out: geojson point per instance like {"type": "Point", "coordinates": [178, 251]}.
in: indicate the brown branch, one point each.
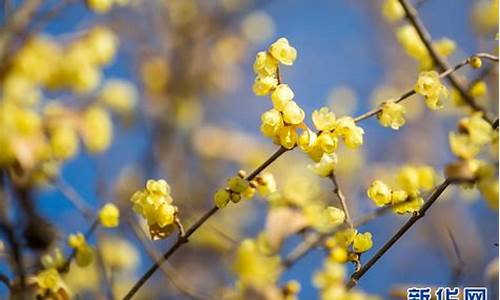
{"type": "Point", "coordinates": [421, 213]}
{"type": "Point", "coordinates": [412, 92]}
{"type": "Point", "coordinates": [441, 63]}
{"type": "Point", "coordinates": [181, 240]}
{"type": "Point", "coordinates": [340, 196]}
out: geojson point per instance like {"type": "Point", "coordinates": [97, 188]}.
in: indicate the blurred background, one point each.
{"type": "Point", "coordinates": [196, 122]}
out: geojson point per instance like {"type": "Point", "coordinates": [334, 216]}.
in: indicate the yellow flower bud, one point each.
{"type": "Point", "coordinates": [264, 85]}
{"type": "Point", "coordinates": [325, 166]}
{"type": "Point", "coordinates": [265, 65]}
{"type": "Point", "coordinates": [293, 114]}
{"type": "Point", "coordinates": [287, 137]}
{"type": "Point", "coordinates": [237, 184]}
{"type": "Point", "coordinates": [328, 142]}
{"type": "Point", "coordinates": [281, 96]}
{"type": "Point", "coordinates": [271, 123]}
{"type": "Point", "coordinates": [476, 62]}
{"type": "Point", "coordinates": [392, 10]}
{"type": "Point", "coordinates": [221, 198]}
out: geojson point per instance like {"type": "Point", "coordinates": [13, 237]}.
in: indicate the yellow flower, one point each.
{"type": "Point", "coordinates": [84, 254]}
{"type": "Point", "coordinates": [408, 179]}
{"type": "Point", "coordinates": [64, 142]}
{"type": "Point", "coordinates": [154, 204]}
{"type": "Point", "coordinates": [462, 146]}
{"type": "Point", "coordinates": [429, 86]}
{"type": "Point", "coordinates": [293, 114]}
{"type": "Point", "coordinates": [49, 280]}
{"type": "Point", "coordinates": [445, 47]}
{"type": "Point", "coordinates": [328, 142]}
{"type": "Point", "coordinates": [102, 44]}
{"type": "Point", "coordinates": [109, 215]}
{"type": "Point", "coordinates": [222, 197]}
{"type": "Point", "coordinates": [264, 85]}
{"type": "Point", "coordinates": [339, 255]}
{"type": "Point", "coordinates": [411, 42]}
{"type": "Point", "coordinates": [362, 242]}
{"type": "Point", "coordinates": [281, 96]}
{"type": "Point", "coordinates": [489, 189]}
{"type": "Point", "coordinates": [398, 196]}
{"type": "Point", "coordinates": [344, 238]}
{"type": "Point", "coordinates": [380, 193]}
{"type": "Point", "coordinates": [97, 129]}
{"type": "Point", "coordinates": [265, 65]}
{"type": "Point", "coordinates": [272, 122]}
{"type": "Point", "coordinates": [254, 267]}
{"type": "Point", "coordinates": [307, 139]}
{"type": "Point", "coordinates": [266, 184]}
{"type": "Point", "coordinates": [100, 6]}
{"type": "Point", "coordinates": [479, 89]}
{"type": "Point", "coordinates": [332, 274]}
{"type": "Point", "coordinates": [287, 137]}
{"type": "Point", "coordinates": [412, 205]}
{"type": "Point", "coordinates": [119, 95]}
{"type": "Point", "coordinates": [479, 130]}
{"type": "Point", "coordinates": [392, 10]}
{"type": "Point", "coordinates": [325, 166]}
{"type": "Point", "coordinates": [392, 115]}
{"type": "Point", "coordinates": [20, 90]}
{"type": "Point", "coordinates": [323, 219]}
{"type": "Point", "coordinates": [426, 178]}
{"type": "Point", "coordinates": [283, 52]}
{"type": "Point", "coordinates": [323, 119]}
{"type": "Point", "coordinates": [352, 134]}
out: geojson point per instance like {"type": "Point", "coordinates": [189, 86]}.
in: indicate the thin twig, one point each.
{"type": "Point", "coordinates": [340, 196]}
{"type": "Point", "coordinates": [421, 213]}
{"type": "Point", "coordinates": [412, 92]}
{"type": "Point", "coordinates": [181, 240]}
{"type": "Point", "coordinates": [441, 63]}
{"type": "Point", "coordinates": [458, 266]}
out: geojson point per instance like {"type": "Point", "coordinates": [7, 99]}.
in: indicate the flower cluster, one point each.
{"type": "Point", "coordinates": [473, 133]}
{"type": "Point", "coordinates": [408, 37]}
{"type": "Point", "coordinates": [429, 86]}
{"type": "Point", "coordinates": [84, 253]}
{"type": "Point", "coordinates": [154, 204]}
{"type": "Point", "coordinates": [406, 197]}
{"type": "Point", "coordinates": [237, 187]}
{"type": "Point", "coordinates": [50, 284]}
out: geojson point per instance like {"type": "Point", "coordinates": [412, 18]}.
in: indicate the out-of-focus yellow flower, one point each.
{"type": "Point", "coordinates": [283, 52]}
{"type": "Point", "coordinates": [97, 129]}
{"type": "Point", "coordinates": [462, 146]}
{"type": "Point", "coordinates": [392, 115]}
{"type": "Point", "coordinates": [344, 238]}
{"type": "Point", "coordinates": [154, 204]}
{"type": "Point", "coordinates": [325, 166]}
{"type": "Point", "coordinates": [489, 189]}
{"type": "Point", "coordinates": [20, 90]}
{"type": "Point", "coordinates": [265, 65]}
{"type": "Point", "coordinates": [155, 74]}
{"type": "Point", "coordinates": [411, 42]}
{"type": "Point", "coordinates": [408, 179]}
{"type": "Point", "coordinates": [362, 242]}
{"type": "Point", "coordinates": [392, 10]}
{"type": "Point", "coordinates": [429, 86]}
{"type": "Point", "coordinates": [485, 16]}
{"type": "Point", "coordinates": [445, 47]}
{"type": "Point", "coordinates": [84, 254]}
{"type": "Point", "coordinates": [323, 219]}
{"type": "Point", "coordinates": [380, 193]}
{"type": "Point", "coordinates": [264, 85]}
{"type": "Point", "coordinates": [254, 267]}
{"type": "Point", "coordinates": [426, 178]}
{"type": "Point", "coordinates": [109, 215]}
{"type": "Point", "coordinates": [48, 280]}
{"type": "Point", "coordinates": [281, 96]}
{"type": "Point", "coordinates": [100, 6]}
{"type": "Point", "coordinates": [102, 43]}
{"type": "Point", "coordinates": [119, 95]}
{"type": "Point", "coordinates": [479, 89]}
{"type": "Point", "coordinates": [324, 119]}
{"type": "Point", "coordinates": [118, 253]}
{"type": "Point", "coordinates": [266, 184]}
{"type": "Point", "coordinates": [332, 274]}
{"type": "Point", "coordinates": [478, 129]}
{"type": "Point", "coordinates": [64, 142]}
